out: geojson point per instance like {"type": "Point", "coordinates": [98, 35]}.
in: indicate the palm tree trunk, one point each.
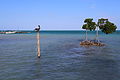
{"type": "Point", "coordinates": [97, 35]}
{"type": "Point", "coordinates": [86, 39]}
{"type": "Point", "coordinates": [38, 44]}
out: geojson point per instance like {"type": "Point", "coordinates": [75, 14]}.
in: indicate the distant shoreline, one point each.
{"type": "Point", "coordinates": [42, 30]}
{"type": "Point", "coordinates": [13, 32]}
{"type": "Point", "coordinates": [50, 31]}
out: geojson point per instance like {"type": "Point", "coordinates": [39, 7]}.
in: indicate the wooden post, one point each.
{"type": "Point", "coordinates": [38, 40]}
{"type": "Point", "coordinates": [38, 44]}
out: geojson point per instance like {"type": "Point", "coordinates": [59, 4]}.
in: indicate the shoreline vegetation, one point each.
{"type": "Point", "coordinates": [13, 32]}
{"type": "Point", "coordinates": [103, 24]}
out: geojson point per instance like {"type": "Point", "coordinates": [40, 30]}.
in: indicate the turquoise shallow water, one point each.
{"type": "Point", "coordinates": [62, 58]}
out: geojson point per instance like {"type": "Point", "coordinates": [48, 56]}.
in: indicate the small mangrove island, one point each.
{"type": "Point", "coordinates": [103, 25]}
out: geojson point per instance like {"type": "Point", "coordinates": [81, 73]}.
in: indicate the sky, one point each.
{"type": "Point", "coordinates": [55, 14]}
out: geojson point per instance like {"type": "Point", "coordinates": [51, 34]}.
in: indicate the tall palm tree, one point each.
{"type": "Point", "coordinates": [85, 26]}
{"type": "Point", "coordinates": [105, 26]}
{"type": "Point", "coordinates": [100, 24]}
{"type": "Point", "coordinates": [89, 25]}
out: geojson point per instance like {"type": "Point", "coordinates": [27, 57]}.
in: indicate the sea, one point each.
{"type": "Point", "coordinates": [62, 56]}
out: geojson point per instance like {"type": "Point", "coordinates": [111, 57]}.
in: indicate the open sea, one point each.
{"type": "Point", "coordinates": [62, 57]}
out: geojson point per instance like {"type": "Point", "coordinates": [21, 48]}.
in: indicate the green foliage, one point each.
{"type": "Point", "coordinates": [106, 26]}
{"type": "Point", "coordinates": [93, 26]}
{"type": "Point", "coordinates": [109, 28]}
{"type": "Point", "coordinates": [102, 21]}
{"type": "Point", "coordinates": [85, 26]}
{"type": "Point", "coordinates": [103, 24]}
{"type": "Point", "coordinates": [88, 20]}
{"type": "Point", "coordinates": [89, 24]}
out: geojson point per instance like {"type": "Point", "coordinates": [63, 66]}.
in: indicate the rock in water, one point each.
{"type": "Point", "coordinates": [91, 43]}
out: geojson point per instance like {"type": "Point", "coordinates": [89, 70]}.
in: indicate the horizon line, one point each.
{"type": "Point", "coordinates": [48, 29]}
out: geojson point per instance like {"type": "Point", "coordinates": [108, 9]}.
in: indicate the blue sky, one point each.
{"type": "Point", "coordinates": [55, 14]}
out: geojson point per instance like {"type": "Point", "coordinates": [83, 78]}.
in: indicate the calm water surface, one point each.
{"type": "Point", "coordinates": [62, 58]}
